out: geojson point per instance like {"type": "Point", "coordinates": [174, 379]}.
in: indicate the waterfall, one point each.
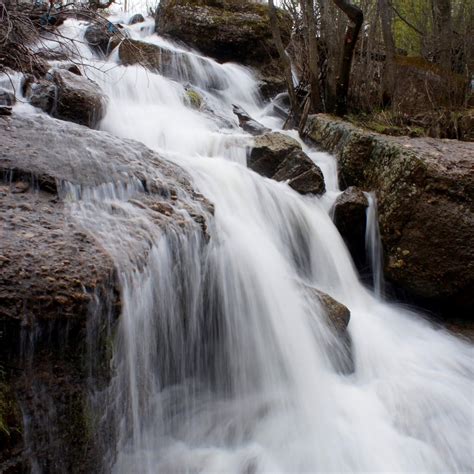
{"type": "Point", "coordinates": [373, 246]}
{"type": "Point", "coordinates": [221, 361]}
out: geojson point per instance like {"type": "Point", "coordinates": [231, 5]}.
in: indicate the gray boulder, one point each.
{"type": "Point", "coordinates": [68, 96]}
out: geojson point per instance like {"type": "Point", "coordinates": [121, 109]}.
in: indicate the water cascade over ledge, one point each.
{"type": "Point", "coordinates": [221, 361]}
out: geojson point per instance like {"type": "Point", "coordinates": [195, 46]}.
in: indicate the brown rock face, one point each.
{"type": "Point", "coordinates": [425, 192]}
{"type": "Point", "coordinates": [280, 157]}
{"type": "Point", "coordinates": [350, 219]}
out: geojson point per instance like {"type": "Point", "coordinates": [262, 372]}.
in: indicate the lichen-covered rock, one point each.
{"type": "Point", "coordinates": [425, 193]}
{"type": "Point", "coordinates": [165, 61]}
{"type": "Point", "coordinates": [237, 31]}
{"type": "Point", "coordinates": [280, 157]}
{"type": "Point", "coordinates": [350, 219]}
{"type": "Point", "coordinates": [68, 96]}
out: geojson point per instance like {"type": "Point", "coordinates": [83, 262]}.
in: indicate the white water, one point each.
{"type": "Point", "coordinates": [373, 246]}
{"type": "Point", "coordinates": [222, 360]}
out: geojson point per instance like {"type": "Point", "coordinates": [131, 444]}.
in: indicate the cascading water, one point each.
{"type": "Point", "coordinates": [373, 245]}
{"type": "Point", "coordinates": [221, 360]}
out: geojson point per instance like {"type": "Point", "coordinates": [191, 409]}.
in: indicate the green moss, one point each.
{"type": "Point", "coordinates": [194, 99]}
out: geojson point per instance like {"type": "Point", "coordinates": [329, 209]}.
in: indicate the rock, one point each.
{"type": "Point", "coordinates": [42, 94]}
{"type": "Point", "coordinates": [237, 31]}
{"type": "Point", "coordinates": [59, 294]}
{"type": "Point", "coordinates": [338, 317]}
{"type": "Point", "coordinates": [338, 314]}
{"type": "Point", "coordinates": [164, 61]}
{"type": "Point", "coordinates": [424, 187]}
{"type": "Point", "coordinates": [247, 123]}
{"type": "Point", "coordinates": [280, 157]}
{"type": "Point", "coordinates": [228, 31]}
{"type": "Point", "coordinates": [7, 98]}
{"type": "Point", "coordinates": [137, 18]}
{"type": "Point", "coordinates": [68, 96]}
{"type": "Point", "coordinates": [350, 219]}
{"type": "Point", "coordinates": [194, 99]}
{"type": "Point", "coordinates": [103, 38]}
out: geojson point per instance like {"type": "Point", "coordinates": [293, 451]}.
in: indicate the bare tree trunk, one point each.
{"type": "Point", "coordinates": [356, 18]}
{"type": "Point", "coordinates": [388, 80]}
{"type": "Point", "coordinates": [284, 58]}
{"type": "Point", "coordinates": [310, 24]}
{"type": "Point", "coordinates": [442, 31]}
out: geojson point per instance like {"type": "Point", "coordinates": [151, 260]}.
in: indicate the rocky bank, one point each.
{"type": "Point", "coordinates": [425, 192]}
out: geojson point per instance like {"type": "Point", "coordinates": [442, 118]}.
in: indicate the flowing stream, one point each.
{"type": "Point", "coordinates": [222, 363]}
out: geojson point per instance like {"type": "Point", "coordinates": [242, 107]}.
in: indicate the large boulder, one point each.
{"type": "Point", "coordinates": [229, 30]}
{"type": "Point", "coordinates": [350, 218]}
{"type": "Point", "coordinates": [68, 96]}
{"type": "Point", "coordinates": [59, 293]}
{"type": "Point", "coordinates": [425, 193]}
{"type": "Point", "coordinates": [278, 156]}
{"type": "Point", "coordinates": [164, 62]}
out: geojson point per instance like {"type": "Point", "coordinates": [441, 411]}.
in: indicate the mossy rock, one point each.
{"type": "Point", "coordinates": [194, 99]}
{"type": "Point", "coordinates": [225, 30]}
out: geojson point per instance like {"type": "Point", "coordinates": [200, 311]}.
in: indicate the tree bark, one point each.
{"type": "Point", "coordinates": [356, 18]}
{"type": "Point", "coordinates": [388, 79]}
{"type": "Point", "coordinates": [284, 58]}
{"type": "Point", "coordinates": [310, 24]}
{"type": "Point", "coordinates": [442, 31]}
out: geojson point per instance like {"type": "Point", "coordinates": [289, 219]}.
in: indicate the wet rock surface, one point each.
{"type": "Point", "coordinates": [425, 193]}
{"type": "Point", "coordinates": [58, 284]}
{"type": "Point", "coordinates": [337, 317]}
{"type": "Point", "coordinates": [164, 62]}
{"type": "Point", "coordinates": [280, 157]}
{"type": "Point", "coordinates": [68, 96]}
{"type": "Point", "coordinates": [350, 219]}
{"type": "Point", "coordinates": [247, 123]}
{"type": "Point", "coordinates": [102, 38]}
